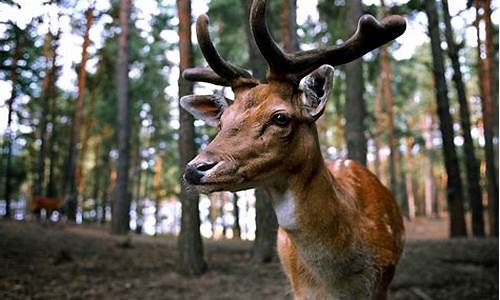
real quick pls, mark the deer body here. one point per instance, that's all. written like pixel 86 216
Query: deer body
pixel 50 204
pixel 341 233
pixel 346 237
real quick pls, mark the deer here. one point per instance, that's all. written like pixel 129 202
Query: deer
pixel 50 204
pixel 340 232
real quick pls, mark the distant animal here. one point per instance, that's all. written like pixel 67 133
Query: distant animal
pixel 340 230
pixel 49 204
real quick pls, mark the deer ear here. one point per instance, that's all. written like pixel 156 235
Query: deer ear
pixel 316 87
pixel 208 108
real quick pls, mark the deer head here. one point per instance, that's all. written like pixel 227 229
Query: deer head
pixel 269 130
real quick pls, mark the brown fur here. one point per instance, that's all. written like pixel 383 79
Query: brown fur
pixel 365 224
pixel 341 233
pixel 48 203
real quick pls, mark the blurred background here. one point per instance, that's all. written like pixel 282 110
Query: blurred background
pixel 93 143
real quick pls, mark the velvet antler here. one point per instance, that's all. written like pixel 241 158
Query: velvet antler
pixel 369 35
pixel 220 71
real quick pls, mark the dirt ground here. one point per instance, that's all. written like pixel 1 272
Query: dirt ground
pixel 58 261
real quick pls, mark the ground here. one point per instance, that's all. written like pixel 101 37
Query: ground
pixel 55 261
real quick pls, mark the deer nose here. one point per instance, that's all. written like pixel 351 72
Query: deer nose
pixel 195 171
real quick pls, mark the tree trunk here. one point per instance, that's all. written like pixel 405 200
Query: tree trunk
pixel 70 176
pixel 492 66
pixel 121 202
pixel 471 163
pixel 378 128
pixel 388 103
pixel 50 189
pixel 137 195
pixel 222 200
pixel 429 180
pixel 288 25
pixel 97 181
pixel 354 111
pixel 157 188
pixel 236 213
pixel 485 87
pixel 212 215
pixel 106 186
pixel 265 236
pixel 454 184
pixel 46 86
pixel 389 118
pixel 410 186
pixel 191 260
pixel 8 132
pixel 265 219
pixel 85 138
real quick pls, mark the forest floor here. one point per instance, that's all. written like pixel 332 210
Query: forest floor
pixel 57 261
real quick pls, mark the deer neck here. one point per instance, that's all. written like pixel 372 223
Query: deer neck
pixel 310 203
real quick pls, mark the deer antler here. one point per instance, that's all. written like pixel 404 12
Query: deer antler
pixel 220 71
pixel 369 35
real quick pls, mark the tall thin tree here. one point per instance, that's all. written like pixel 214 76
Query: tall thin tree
pixel 454 182
pixel 354 111
pixel 191 260
pixel 121 202
pixel 69 180
pixel 388 105
pixel 288 25
pixel 488 110
pixel 471 163
pixel 8 132
pixel 236 215
pixel 46 86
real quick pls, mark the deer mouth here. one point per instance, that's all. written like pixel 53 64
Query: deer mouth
pixel 208 177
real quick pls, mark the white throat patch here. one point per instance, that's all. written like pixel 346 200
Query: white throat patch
pixel 284 206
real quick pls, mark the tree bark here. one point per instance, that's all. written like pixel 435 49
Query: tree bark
pixel 410 182
pixel 106 178
pixel 378 129
pixel 388 103
pixel 354 111
pixel 492 65
pixel 8 132
pixel 97 181
pixel 430 180
pixel 454 182
pixel 157 192
pixel 236 213
pixel 137 194
pixel 265 234
pixel 70 176
pixel 191 260
pixel 46 86
pixel 485 87
pixel 471 163
pixel 288 25
pixel 50 189
pixel 121 202
pixel 222 199
pixel 88 122
pixel 265 219
pixel 212 215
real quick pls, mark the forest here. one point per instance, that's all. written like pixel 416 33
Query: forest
pixel 94 144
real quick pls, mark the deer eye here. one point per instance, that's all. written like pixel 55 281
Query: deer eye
pixel 281 119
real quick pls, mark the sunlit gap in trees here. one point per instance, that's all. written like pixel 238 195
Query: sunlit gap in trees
pixel 214 224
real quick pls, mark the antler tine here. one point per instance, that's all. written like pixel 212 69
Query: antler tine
pixel 369 35
pixel 222 68
pixel 204 75
pixel 276 59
